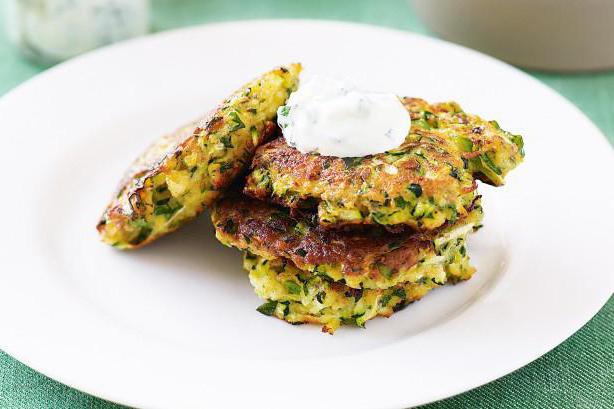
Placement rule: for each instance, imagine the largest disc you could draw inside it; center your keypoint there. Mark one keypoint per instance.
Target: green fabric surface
(577, 374)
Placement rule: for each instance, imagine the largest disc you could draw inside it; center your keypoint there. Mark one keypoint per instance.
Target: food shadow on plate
(192, 248)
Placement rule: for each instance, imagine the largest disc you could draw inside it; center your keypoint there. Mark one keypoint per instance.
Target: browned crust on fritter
(254, 224)
(186, 171)
(333, 171)
(172, 145)
(147, 165)
(155, 159)
(157, 151)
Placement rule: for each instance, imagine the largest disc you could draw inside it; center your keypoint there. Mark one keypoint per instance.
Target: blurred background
(531, 33)
(567, 44)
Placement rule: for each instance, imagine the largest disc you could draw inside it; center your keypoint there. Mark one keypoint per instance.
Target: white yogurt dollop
(332, 118)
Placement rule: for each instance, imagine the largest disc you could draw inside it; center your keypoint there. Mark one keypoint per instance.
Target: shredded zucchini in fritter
(299, 297)
(427, 181)
(360, 259)
(185, 172)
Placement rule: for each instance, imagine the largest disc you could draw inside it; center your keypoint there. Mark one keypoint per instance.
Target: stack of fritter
(326, 240)
(341, 240)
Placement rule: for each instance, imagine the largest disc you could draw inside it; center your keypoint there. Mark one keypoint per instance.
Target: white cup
(560, 35)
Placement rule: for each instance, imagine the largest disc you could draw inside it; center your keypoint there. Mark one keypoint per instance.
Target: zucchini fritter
(369, 258)
(489, 151)
(300, 297)
(426, 182)
(186, 171)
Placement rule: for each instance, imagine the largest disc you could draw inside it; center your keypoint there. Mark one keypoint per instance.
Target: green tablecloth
(577, 374)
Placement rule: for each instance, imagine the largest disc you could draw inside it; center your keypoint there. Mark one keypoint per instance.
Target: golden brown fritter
(372, 258)
(426, 182)
(186, 171)
(300, 297)
(489, 151)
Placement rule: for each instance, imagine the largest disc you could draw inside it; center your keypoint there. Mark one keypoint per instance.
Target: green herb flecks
(351, 162)
(284, 110)
(399, 292)
(434, 280)
(144, 231)
(431, 119)
(353, 320)
(464, 144)
(229, 227)
(357, 295)
(160, 202)
(226, 141)
(236, 122)
(490, 164)
(286, 307)
(250, 256)
(385, 300)
(264, 181)
(416, 189)
(400, 202)
(167, 210)
(267, 308)
(519, 142)
(385, 270)
(225, 166)
(421, 123)
(292, 287)
(454, 172)
(254, 133)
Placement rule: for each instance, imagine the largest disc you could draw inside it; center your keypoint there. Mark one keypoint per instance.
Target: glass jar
(50, 31)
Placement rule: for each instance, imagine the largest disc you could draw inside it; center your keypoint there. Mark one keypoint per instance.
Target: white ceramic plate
(174, 324)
